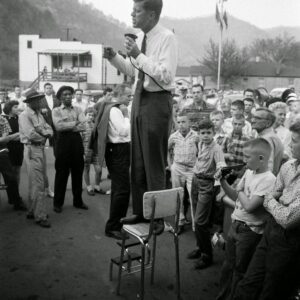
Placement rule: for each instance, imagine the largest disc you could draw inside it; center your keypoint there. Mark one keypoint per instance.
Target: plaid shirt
(5, 130)
(184, 148)
(220, 137)
(234, 144)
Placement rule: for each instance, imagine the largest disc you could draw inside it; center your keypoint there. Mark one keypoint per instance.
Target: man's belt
(35, 144)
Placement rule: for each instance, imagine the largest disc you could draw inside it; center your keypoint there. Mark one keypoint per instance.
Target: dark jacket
(99, 135)
(48, 115)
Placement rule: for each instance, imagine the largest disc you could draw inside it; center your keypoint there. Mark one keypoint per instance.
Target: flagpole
(220, 50)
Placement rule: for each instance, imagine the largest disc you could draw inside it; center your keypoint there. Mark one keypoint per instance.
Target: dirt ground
(71, 259)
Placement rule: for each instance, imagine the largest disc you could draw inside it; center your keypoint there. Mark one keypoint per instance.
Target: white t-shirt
(253, 185)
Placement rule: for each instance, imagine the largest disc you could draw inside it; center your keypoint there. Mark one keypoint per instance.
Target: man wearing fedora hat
(34, 131)
(68, 121)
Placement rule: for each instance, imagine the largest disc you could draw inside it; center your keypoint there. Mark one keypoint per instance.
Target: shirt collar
(153, 31)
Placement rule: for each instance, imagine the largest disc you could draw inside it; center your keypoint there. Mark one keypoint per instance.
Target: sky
(262, 13)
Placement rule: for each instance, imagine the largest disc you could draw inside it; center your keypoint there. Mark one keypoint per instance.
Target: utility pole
(68, 29)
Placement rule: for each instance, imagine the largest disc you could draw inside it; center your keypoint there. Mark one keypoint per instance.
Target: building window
(29, 44)
(245, 78)
(85, 61)
(118, 72)
(57, 62)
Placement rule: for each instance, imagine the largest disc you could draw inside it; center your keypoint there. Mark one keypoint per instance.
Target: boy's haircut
(217, 113)
(261, 146)
(277, 105)
(152, 5)
(9, 105)
(198, 85)
(295, 127)
(78, 90)
(206, 124)
(249, 100)
(249, 90)
(107, 90)
(90, 110)
(239, 104)
(239, 116)
(47, 84)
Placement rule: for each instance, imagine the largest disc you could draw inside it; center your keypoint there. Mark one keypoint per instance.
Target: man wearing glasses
(263, 120)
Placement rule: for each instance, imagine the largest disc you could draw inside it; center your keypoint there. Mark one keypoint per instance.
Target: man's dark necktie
(140, 81)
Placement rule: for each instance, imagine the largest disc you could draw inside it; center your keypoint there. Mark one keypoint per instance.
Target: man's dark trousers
(275, 267)
(117, 157)
(150, 128)
(69, 158)
(9, 179)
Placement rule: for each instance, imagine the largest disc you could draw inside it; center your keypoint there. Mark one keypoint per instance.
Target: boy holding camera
(248, 217)
(210, 159)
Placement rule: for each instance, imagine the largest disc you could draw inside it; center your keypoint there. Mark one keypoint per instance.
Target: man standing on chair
(153, 61)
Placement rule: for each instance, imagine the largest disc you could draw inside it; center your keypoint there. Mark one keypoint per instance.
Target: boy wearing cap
(34, 132)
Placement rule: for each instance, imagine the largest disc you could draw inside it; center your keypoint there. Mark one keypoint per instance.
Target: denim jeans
(275, 267)
(240, 246)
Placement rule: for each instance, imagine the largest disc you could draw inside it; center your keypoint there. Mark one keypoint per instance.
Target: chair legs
(121, 265)
(153, 259)
(142, 291)
(177, 266)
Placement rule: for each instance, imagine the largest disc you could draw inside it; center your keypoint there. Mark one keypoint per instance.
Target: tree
(279, 50)
(233, 62)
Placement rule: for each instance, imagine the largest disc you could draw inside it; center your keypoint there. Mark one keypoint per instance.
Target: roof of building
(63, 52)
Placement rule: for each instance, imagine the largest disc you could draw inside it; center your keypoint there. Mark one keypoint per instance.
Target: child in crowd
(217, 118)
(237, 107)
(210, 159)
(249, 107)
(248, 217)
(183, 146)
(294, 109)
(233, 144)
(90, 157)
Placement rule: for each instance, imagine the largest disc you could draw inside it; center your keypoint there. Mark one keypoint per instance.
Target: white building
(64, 63)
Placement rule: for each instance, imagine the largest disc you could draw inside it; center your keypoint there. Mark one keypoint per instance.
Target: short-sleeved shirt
(184, 148)
(234, 144)
(254, 185)
(210, 158)
(4, 130)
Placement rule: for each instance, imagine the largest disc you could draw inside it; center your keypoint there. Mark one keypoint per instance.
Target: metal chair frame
(144, 243)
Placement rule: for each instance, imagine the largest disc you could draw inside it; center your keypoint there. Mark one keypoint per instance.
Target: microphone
(131, 35)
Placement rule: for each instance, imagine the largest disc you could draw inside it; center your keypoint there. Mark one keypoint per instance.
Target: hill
(50, 18)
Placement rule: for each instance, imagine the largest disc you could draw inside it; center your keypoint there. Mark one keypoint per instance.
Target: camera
(227, 170)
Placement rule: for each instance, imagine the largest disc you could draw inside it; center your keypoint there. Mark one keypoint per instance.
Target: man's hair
(152, 5)
(47, 84)
(270, 115)
(107, 90)
(217, 113)
(277, 105)
(249, 90)
(9, 105)
(249, 100)
(239, 104)
(206, 124)
(295, 127)
(198, 85)
(261, 146)
(16, 86)
(90, 110)
(239, 116)
(78, 90)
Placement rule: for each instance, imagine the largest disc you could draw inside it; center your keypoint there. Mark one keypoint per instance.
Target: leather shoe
(134, 219)
(44, 223)
(158, 226)
(82, 206)
(203, 263)
(57, 209)
(194, 254)
(20, 206)
(30, 215)
(180, 229)
(118, 235)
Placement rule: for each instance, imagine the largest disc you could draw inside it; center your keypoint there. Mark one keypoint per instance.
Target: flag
(221, 14)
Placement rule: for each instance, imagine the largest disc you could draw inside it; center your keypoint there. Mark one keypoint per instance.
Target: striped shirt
(234, 145)
(184, 148)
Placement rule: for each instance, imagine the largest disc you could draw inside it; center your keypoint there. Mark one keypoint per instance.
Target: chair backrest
(165, 202)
